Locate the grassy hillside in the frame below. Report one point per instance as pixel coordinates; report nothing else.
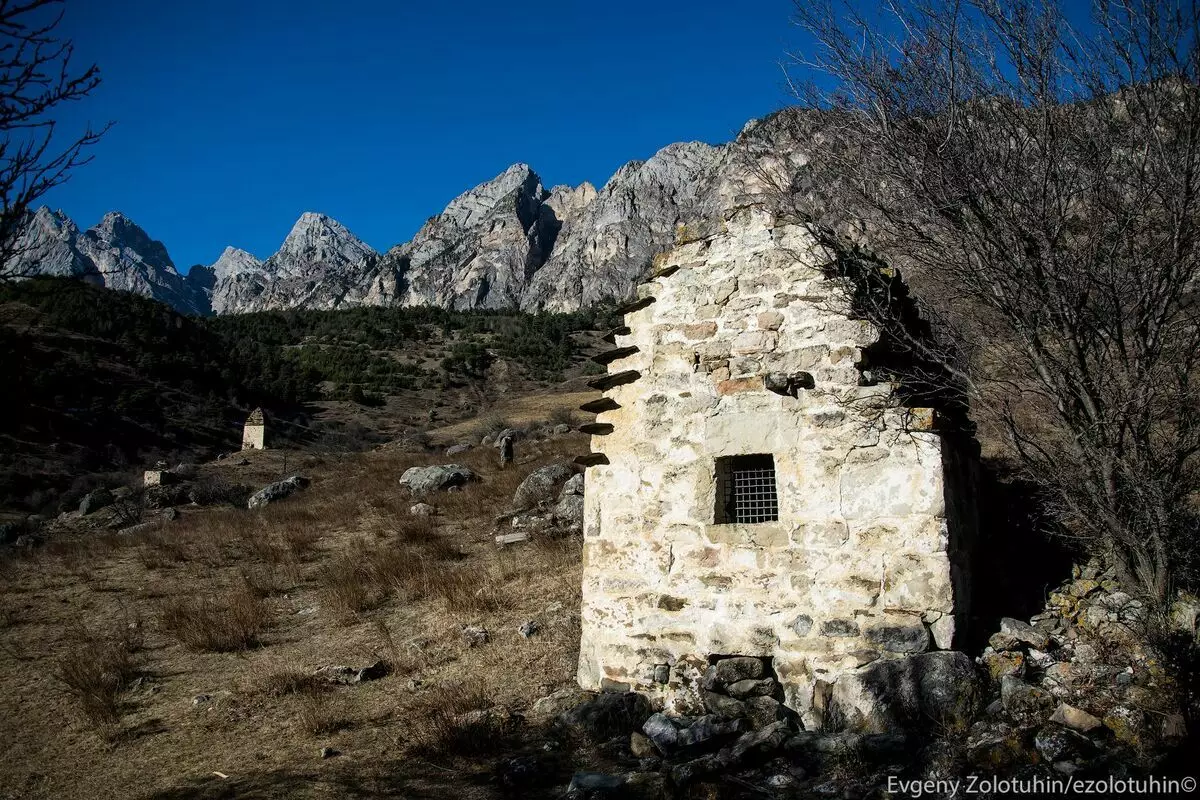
(98, 381)
(178, 662)
(102, 382)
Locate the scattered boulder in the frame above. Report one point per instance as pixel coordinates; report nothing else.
(1056, 743)
(561, 429)
(641, 746)
(1075, 718)
(660, 730)
(170, 514)
(1020, 698)
(422, 510)
(587, 784)
(528, 628)
(474, 635)
(95, 500)
(708, 728)
(764, 740)
(541, 485)
(562, 700)
(420, 480)
(568, 512)
(350, 675)
(1024, 632)
(904, 693)
(573, 486)
(607, 715)
(277, 491)
(458, 449)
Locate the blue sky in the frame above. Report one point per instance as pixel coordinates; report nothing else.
(234, 118)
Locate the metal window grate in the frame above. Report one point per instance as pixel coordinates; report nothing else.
(746, 489)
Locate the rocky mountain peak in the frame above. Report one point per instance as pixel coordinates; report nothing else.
(475, 204)
(234, 261)
(119, 232)
(318, 237)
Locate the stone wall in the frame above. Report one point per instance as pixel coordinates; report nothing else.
(747, 349)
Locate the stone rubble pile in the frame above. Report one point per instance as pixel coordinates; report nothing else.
(747, 736)
(1076, 691)
(1078, 686)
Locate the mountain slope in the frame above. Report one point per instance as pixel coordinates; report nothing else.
(509, 243)
(98, 380)
(115, 253)
(321, 265)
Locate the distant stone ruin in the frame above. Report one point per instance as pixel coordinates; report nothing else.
(254, 431)
(751, 493)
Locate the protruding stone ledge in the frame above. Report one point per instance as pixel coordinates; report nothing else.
(609, 356)
(611, 336)
(592, 460)
(636, 305)
(606, 382)
(665, 272)
(600, 406)
(596, 429)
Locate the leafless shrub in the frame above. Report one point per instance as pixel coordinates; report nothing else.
(129, 509)
(322, 714)
(97, 669)
(226, 623)
(1039, 185)
(459, 720)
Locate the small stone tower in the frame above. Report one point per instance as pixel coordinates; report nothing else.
(254, 431)
(751, 492)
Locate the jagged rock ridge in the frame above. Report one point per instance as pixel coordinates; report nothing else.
(507, 243)
(115, 253)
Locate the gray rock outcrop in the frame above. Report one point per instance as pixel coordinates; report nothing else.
(420, 480)
(115, 253)
(276, 491)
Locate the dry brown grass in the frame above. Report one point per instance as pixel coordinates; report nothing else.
(286, 682)
(323, 714)
(196, 578)
(458, 720)
(97, 669)
(220, 624)
(346, 587)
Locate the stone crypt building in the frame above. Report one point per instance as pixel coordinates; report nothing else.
(749, 493)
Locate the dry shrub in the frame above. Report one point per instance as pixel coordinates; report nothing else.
(300, 540)
(292, 681)
(216, 624)
(347, 587)
(159, 548)
(468, 589)
(96, 670)
(453, 719)
(415, 530)
(325, 713)
(265, 580)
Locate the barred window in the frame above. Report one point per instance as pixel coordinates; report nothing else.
(746, 489)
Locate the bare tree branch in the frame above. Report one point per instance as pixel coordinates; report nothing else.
(1038, 186)
(36, 78)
